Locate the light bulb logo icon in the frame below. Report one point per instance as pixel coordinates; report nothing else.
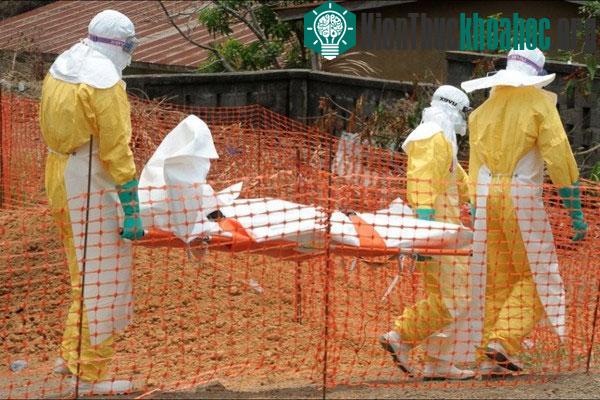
(329, 30)
(330, 27)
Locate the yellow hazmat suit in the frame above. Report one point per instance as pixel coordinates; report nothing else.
(435, 181)
(69, 114)
(512, 134)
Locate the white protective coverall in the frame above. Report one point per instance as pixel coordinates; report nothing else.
(83, 97)
(436, 185)
(515, 268)
(436, 180)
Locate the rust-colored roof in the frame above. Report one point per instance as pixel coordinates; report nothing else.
(57, 26)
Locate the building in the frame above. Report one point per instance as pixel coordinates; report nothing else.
(421, 64)
(39, 35)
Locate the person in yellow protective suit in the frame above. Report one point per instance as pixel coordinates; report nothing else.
(512, 134)
(84, 106)
(436, 184)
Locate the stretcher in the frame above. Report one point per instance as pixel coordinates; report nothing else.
(180, 209)
(285, 229)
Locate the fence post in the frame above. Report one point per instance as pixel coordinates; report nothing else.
(259, 162)
(328, 269)
(590, 350)
(1, 152)
(298, 275)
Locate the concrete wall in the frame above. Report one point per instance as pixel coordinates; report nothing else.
(32, 66)
(294, 93)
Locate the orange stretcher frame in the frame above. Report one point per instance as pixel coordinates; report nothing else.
(371, 243)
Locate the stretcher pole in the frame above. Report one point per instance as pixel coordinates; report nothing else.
(83, 265)
(259, 162)
(298, 293)
(329, 270)
(594, 322)
(1, 153)
(298, 272)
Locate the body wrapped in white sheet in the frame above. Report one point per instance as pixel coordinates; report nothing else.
(401, 231)
(175, 197)
(273, 219)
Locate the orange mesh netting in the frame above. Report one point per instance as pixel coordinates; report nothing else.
(259, 312)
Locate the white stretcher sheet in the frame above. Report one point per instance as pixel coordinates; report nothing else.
(175, 197)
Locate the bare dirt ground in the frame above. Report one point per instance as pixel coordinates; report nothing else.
(197, 322)
(575, 386)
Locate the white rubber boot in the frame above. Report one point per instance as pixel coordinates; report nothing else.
(107, 387)
(60, 367)
(441, 370)
(392, 343)
(496, 352)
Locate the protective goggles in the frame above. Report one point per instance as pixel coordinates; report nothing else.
(464, 110)
(128, 45)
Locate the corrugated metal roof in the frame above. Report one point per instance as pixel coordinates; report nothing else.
(57, 26)
(296, 11)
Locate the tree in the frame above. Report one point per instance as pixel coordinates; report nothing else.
(11, 8)
(583, 79)
(277, 43)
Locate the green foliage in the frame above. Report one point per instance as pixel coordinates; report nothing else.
(501, 31)
(270, 24)
(215, 20)
(562, 55)
(570, 88)
(595, 174)
(294, 57)
(583, 78)
(590, 9)
(389, 124)
(591, 65)
(274, 38)
(243, 57)
(10, 8)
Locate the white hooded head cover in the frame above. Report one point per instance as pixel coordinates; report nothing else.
(523, 68)
(174, 195)
(446, 114)
(99, 65)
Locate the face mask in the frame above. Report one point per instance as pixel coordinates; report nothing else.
(461, 127)
(456, 119)
(119, 58)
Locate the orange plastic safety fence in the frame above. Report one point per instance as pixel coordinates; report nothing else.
(293, 284)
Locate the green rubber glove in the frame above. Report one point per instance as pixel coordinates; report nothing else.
(132, 225)
(571, 199)
(425, 214)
